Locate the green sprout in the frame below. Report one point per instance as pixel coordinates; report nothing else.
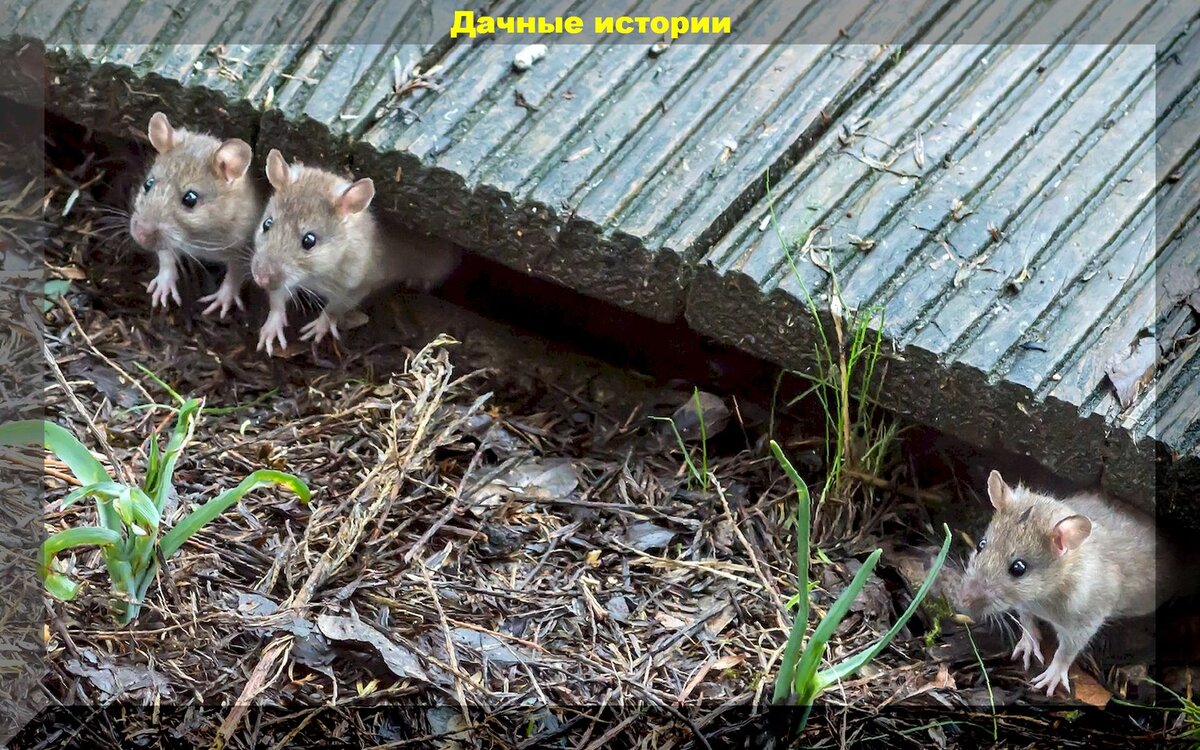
(129, 516)
(698, 474)
(801, 680)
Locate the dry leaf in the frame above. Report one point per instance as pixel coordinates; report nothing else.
(448, 727)
(1022, 277)
(1130, 373)
(727, 662)
(645, 536)
(618, 609)
(820, 259)
(255, 605)
(718, 622)
(964, 271)
(491, 648)
(862, 243)
(74, 273)
(721, 664)
(941, 681)
(401, 661)
(670, 621)
(544, 479)
(118, 681)
(1087, 689)
(353, 319)
(712, 409)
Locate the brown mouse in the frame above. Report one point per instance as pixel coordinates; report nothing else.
(1075, 563)
(318, 235)
(198, 201)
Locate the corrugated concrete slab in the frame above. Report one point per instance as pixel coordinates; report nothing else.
(997, 205)
(601, 166)
(201, 81)
(996, 202)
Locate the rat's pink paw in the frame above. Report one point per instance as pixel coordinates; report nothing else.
(164, 287)
(272, 331)
(224, 299)
(1055, 675)
(1026, 647)
(317, 329)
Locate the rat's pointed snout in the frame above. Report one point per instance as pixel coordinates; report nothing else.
(144, 233)
(264, 279)
(265, 274)
(971, 595)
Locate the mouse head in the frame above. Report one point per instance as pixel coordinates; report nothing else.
(196, 196)
(312, 218)
(1022, 555)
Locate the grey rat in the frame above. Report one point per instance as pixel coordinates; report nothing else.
(1075, 563)
(318, 235)
(196, 200)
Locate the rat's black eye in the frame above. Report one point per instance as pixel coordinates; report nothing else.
(1017, 569)
(268, 223)
(981, 545)
(308, 241)
(190, 198)
(149, 183)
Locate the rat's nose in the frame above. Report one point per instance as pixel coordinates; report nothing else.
(265, 277)
(971, 595)
(143, 232)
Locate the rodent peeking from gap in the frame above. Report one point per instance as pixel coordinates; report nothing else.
(1075, 564)
(196, 201)
(318, 235)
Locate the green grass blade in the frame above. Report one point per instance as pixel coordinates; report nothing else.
(106, 490)
(153, 462)
(791, 651)
(147, 577)
(57, 584)
(987, 681)
(58, 441)
(852, 664)
(703, 438)
(60, 587)
(136, 507)
(693, 472)
(140, 559)
(81, 536)
(161, 383)
(142, 583)
(159, 486)
(86, 468)
(124, 606)
(188, 527)
(805, 683)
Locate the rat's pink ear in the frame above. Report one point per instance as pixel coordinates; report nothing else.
(162, 135)
(278, 173)
(1069, 533)
(999, 492)
(355, 198)
(232, 159)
